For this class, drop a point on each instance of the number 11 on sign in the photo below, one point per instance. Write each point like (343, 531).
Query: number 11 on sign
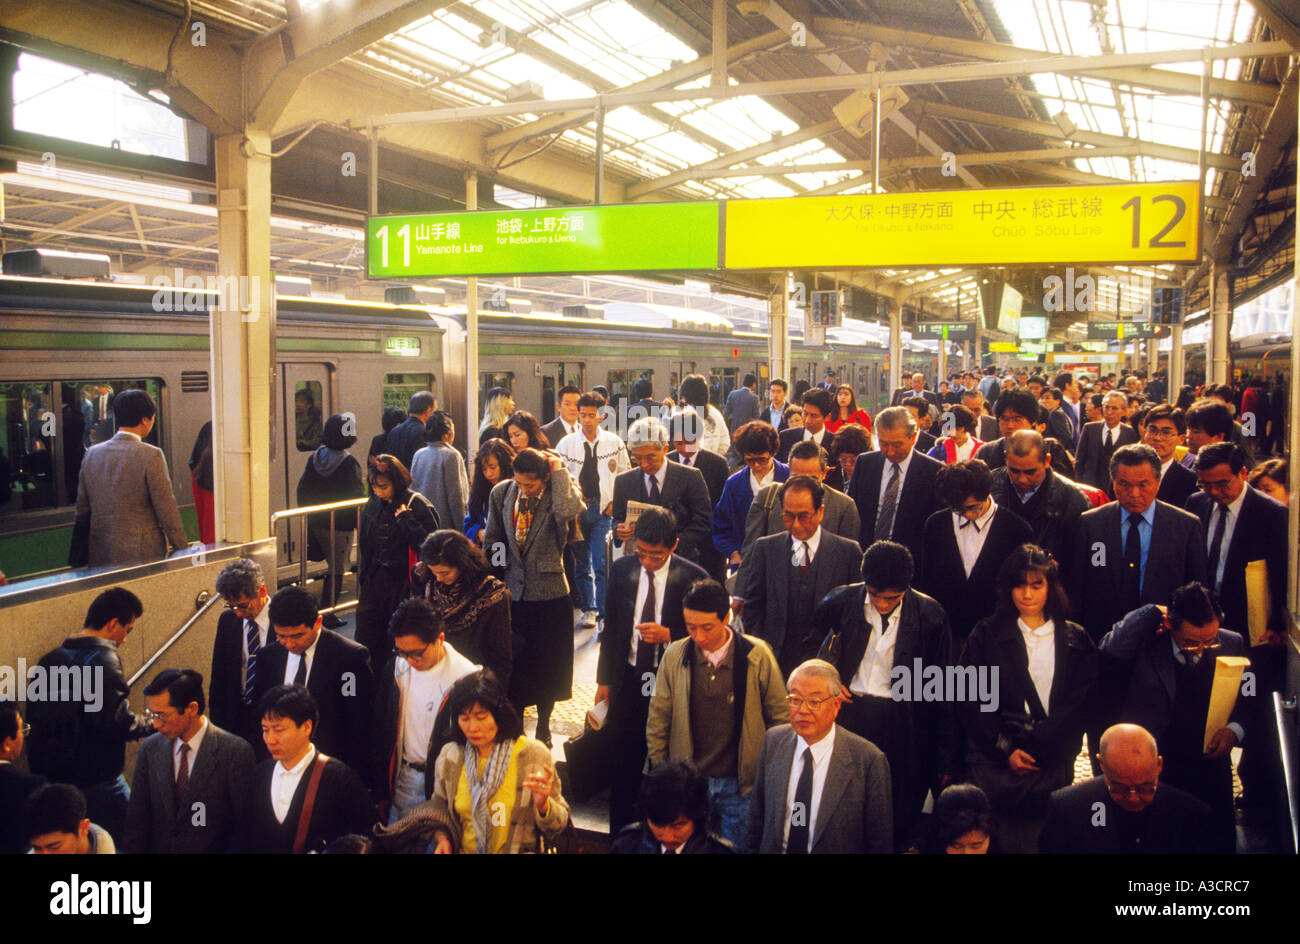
(404, 234)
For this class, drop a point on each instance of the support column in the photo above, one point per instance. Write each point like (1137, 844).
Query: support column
(778, 322)
(896, 346)
(1175, 362)
(471, 336)
(1220, 324)
(243, 340)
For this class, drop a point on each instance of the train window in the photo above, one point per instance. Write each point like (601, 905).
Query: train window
(307, 415)
(722, 380)
(489, 379)
(622, 385)
(398, 388)
(27, 447)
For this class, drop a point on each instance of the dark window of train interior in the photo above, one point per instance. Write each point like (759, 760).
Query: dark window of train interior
(622, 386)
(722, 380)
(489, 379)
(399, 388)
(45, 430)
(307, 415)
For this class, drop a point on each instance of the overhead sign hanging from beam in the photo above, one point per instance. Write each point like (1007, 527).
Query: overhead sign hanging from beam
(1120, 223)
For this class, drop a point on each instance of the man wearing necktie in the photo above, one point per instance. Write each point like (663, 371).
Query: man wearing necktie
(820, 788)
(243, 633)
(656, 481)
(188, 765)
(1099, 440)
(645, 613)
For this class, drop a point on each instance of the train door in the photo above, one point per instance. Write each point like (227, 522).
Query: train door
(306, 399)
(555, 376)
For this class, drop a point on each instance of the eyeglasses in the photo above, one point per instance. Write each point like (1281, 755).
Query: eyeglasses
(1197, 648)
(242, 605)
(411, 655)
(796, 703)
(155, 716)
(763, 459)
(803, 517)
(1121, 791)
(1161, 432)
(643, 554)
(26, 730)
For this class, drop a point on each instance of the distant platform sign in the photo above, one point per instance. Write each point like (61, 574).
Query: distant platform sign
(948, 331)
(1117, 223)
(622, 238)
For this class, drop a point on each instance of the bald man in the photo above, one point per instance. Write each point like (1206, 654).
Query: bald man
(1126, 809)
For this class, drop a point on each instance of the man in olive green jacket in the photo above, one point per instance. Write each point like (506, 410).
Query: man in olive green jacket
(715, 695)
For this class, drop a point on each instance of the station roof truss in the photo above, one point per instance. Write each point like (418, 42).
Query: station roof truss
(695, 99)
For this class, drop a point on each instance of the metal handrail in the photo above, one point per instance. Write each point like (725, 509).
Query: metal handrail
(185, 627)
(1287, 743)
(301, 514)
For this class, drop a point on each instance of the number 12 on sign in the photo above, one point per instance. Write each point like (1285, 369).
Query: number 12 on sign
(1157, 241)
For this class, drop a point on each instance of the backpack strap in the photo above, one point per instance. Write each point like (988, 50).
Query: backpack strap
(309, 802)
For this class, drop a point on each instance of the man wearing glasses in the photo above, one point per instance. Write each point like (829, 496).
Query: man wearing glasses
(1165, 430)
(243, 633)
(412, 690)
(644, 614)
(755, 442)
(1162, 663)
(1127, 809)
(820, 789)
(15, 785)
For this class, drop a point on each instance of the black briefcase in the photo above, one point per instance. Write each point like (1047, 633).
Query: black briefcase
(588, 763)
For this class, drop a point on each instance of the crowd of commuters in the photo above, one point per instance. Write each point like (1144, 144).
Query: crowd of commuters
(820, 631)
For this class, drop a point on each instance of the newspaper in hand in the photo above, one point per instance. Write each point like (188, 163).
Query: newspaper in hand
(634, 509)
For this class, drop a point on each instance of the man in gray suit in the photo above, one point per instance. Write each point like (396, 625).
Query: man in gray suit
(126, 493)
(791, 571)
(840, 802)
(742, 404)
(192, 779)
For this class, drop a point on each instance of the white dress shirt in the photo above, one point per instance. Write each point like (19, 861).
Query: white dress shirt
(1234, 512)
(966, 450)
(1165, 468)
(971, 538)
(611, 459)
(1111, 431)
(642, 587)
(284, 782)
(291, 663)
(1040, 645)
(873, 674)
(194, 743)
(659, 477)
(815, 437)
(821, 758)
(802, 560)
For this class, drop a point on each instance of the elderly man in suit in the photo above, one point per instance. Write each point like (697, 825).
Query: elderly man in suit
(15, 785)
(790, 572)
(1243, 525)
(986, 429)
(1049, 503)
(124, 494)
(645, 614)
(566, 422)
(915, 388)
(334, 669)
(243, 633)
(872, 630)
(1163, 660)
(767, 515)
(820, 788)
(964, 545)
(189, 767)
(893, 487)
(1138, 813)
(656, 481)
(1099, 440)
(1165, 430)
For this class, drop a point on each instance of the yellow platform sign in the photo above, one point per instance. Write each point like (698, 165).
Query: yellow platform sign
(1120, 223)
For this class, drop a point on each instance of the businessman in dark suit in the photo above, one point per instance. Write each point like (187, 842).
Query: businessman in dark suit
(1164, 662)
(841, 802)
(335, 670)
(1050, 504)
(818, 407)
(1059, 426)
(657, 481)
(872, 629)
(777, 409)
(894, 486)
(191, 785)
(643, 616)
(986, 427)
(1099, 440)
(789, 573)
(288, 786)
(685, 429)
(243, 636)
(964, 545)
(1116, 571)
(566, 404)
(915, 388)
(919, 407)
(1165, 430)
(15, 785)
(1127, 809)
(1243, 525)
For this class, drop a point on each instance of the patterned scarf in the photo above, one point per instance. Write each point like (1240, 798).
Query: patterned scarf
(482, 789)
(524, 519)
(460, 607)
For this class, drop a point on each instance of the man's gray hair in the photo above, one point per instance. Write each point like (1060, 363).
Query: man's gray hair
(1116, 394)
(1024, 441)
(896, 417)
(240, 579)
(821, 669)
(647, 431)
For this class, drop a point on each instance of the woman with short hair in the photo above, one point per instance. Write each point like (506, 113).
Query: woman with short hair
(438, 471)
(491, 465)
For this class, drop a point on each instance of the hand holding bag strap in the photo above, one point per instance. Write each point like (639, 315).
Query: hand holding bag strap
(309, 801)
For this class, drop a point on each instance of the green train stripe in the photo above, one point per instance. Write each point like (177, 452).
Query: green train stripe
(89, 341)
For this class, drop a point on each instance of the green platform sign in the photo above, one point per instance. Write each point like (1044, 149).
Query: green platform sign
(556, 240)
(949, 331)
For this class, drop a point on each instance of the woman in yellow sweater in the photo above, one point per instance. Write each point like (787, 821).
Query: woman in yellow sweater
(496, 787)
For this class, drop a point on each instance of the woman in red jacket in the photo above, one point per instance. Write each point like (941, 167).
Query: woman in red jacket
(847, 411)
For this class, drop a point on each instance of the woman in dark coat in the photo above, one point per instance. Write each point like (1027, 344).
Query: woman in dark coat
(392, 418)
(332, 475)
(491, 465)
(394, 523)
(454, 576)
